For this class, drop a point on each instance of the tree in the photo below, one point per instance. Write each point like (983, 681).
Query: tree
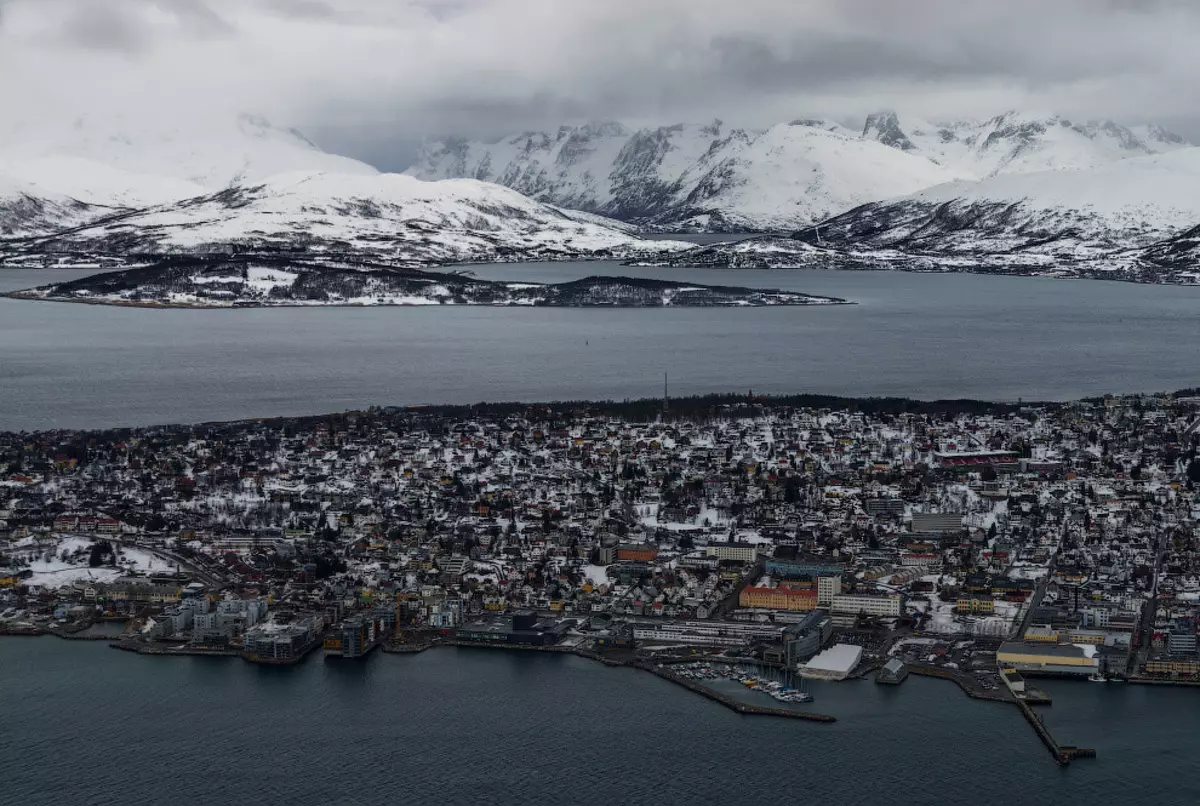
(1193, 471)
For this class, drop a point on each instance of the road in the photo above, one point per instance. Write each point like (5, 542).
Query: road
(1145, 627)
(1034, 602)
(201, 573)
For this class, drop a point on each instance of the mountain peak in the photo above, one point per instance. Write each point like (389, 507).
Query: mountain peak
(885, 127)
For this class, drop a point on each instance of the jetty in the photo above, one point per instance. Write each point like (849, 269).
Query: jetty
(729, 702)
(1062, 754)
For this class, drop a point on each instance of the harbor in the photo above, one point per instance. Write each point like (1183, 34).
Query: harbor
(527, 691)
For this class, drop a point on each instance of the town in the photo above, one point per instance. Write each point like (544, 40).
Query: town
(984, 543)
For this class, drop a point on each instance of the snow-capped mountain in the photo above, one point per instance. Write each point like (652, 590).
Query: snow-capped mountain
(691, 177)
(211, 152)
(113, 190)
(795, 173)
(383, 217)
(1133, 219)
(599, 167)
(95, 183)
(1078, 212)
(1018, 143)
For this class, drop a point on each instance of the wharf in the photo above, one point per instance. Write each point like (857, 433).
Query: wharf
(729, 702)
(26, 631)
(968, 684)
(1155, 681)
(1062, 754)
(176, 651)
(555, 648)
(405, 649)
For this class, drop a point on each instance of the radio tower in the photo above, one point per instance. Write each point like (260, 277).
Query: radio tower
(665, 398)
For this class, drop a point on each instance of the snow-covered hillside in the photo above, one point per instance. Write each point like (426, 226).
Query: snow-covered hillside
(26, 209)
(691, 177)
(1134, 219)
(796, 173)
(95, 183)
(273, 280)
(383, 217)
(1069, 213)
(1018, 143)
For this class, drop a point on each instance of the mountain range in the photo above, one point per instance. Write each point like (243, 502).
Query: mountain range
(714, 178)
(117, 198)
(1015, 193)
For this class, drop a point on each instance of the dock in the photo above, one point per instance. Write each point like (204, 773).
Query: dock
(405, 649)
(729, 702)
(140, 648)
(968, 684)
(1062, 754)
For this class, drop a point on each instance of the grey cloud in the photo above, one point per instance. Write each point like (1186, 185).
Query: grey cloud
(312, 9)
(373, 76)
(196, 17)
(104, 26)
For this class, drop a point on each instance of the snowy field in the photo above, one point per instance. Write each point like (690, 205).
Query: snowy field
(65, 561)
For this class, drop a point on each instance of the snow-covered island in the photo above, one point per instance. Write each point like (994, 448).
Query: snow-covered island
(262, 281)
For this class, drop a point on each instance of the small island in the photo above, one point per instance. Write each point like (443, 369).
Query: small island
(269, 281)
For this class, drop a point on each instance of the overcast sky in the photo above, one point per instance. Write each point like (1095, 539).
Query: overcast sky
(368, 78)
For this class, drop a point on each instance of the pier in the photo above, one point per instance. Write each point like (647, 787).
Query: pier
(968, 684)
(727, 701)
(1062, 754)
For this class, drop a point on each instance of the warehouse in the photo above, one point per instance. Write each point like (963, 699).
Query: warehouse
(835, 663)
(1049, 659)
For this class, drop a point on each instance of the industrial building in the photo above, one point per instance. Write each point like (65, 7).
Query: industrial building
(707, 633)
(835, 663)
(846, 607)
(1049, 659)
(802, 639)
(733, 552)
(523, 628)
(788, 563)
(794, 596)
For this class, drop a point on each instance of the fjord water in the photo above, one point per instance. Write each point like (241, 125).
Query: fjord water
(918, 335)
(86, 724)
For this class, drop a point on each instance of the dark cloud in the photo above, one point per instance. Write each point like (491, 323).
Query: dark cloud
(373, 76)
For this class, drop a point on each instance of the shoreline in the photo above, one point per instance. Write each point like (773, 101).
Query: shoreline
(1062, 755)
(811, 301)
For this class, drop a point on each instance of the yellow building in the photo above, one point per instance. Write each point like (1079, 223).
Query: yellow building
(1093, 637)
(779, 597)
(1177, 668)
(1041, 635)
(984, 607)
(1033, 658)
